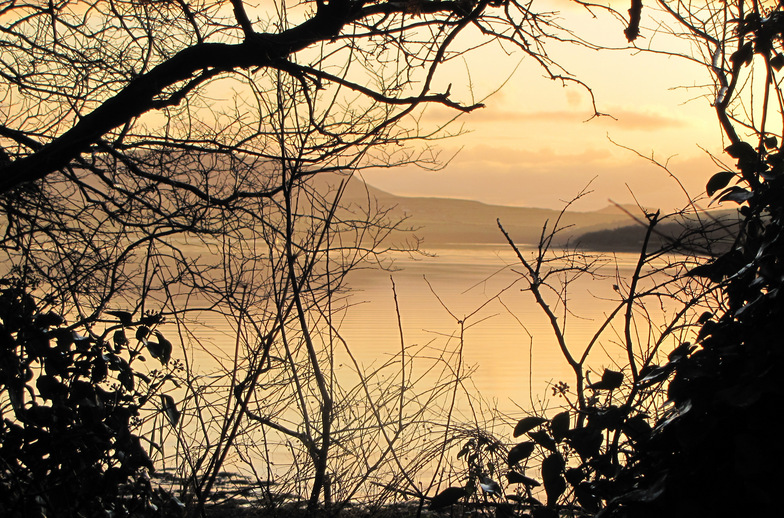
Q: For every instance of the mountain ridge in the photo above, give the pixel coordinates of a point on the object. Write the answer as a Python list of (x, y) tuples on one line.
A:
[(441, 222), (452, 222)]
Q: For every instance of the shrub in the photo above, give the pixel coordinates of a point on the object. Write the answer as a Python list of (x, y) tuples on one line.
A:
[(69, 404)]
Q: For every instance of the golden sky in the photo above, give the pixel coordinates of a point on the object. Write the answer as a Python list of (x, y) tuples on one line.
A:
[(533, 145)]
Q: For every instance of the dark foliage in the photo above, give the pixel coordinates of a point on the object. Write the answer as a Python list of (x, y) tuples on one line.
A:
[(720, 437), (715, 450), (68, 404)]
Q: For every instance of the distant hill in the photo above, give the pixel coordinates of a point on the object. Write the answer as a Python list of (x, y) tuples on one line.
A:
[(443, 222), (721, 228)]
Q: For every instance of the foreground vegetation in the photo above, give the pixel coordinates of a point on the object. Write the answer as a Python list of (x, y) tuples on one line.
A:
[(105, 411)]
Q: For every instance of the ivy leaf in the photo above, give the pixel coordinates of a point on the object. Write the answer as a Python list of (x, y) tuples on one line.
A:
[(637, 428), (520, 452), (543, 439), (718, 181), (48, 319), (120, 339), (655, 375), (50, 388), (518, 478), (741, 151), (170, 409), (142, 332), (464, 451), (166, 348), (125, 318), (447, 497), (160, 350), (611, 380), (574, 476), (777, 61), (737, 194), (559, 426), (527, 423), (586, 441), (743, 55), (554, 483), (680, 352), (125, 374)]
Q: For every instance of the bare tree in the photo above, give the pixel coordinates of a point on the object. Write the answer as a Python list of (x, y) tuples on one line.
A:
[(693, 329), (157, 161)]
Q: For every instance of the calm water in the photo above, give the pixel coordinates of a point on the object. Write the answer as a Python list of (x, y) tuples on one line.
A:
[(506, 337), (506, 340)]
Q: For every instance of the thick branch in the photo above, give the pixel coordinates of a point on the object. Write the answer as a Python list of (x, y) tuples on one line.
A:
[(194, 65)]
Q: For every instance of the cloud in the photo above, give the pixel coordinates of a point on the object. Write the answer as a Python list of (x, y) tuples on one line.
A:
[(515, 158), (619, 118), (642, 120), (542, 179)]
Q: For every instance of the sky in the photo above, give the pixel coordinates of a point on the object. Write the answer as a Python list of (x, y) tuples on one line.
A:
[(533, 145)]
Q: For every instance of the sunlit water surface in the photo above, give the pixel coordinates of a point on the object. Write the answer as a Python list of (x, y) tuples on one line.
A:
[(506, 337)]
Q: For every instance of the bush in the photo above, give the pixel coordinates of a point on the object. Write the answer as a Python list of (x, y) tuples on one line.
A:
[(68, 405)]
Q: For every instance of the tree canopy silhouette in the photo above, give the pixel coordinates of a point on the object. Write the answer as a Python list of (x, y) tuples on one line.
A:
[(78, 77), (157, 157)]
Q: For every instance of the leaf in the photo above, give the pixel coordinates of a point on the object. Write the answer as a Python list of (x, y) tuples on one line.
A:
[(119, 338), (463, 451), (637, 428), (554, 483), (99, 370), (48, 319), (718, 181), (543, 439), (125, 318), (655, 375), (166, 348), (552, 466), (611, 380), (737, 194), (587, 497), (559, 426), (741, 150), (527, 423), (142, 332), (170, 409), (574, 476), (518, 478), (125, 376), (743, 55), (50, 388), (447, 497), (554, 489), (520, 452), (680, 352), (586, 441), (725, 265), (156, 351), (772, 142), (777, 62)]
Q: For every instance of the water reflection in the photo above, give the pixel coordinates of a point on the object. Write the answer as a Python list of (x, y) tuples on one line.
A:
[(506, 336)]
